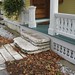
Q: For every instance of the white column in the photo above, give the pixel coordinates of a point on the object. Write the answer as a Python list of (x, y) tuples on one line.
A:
[(53, 10), (32, 21)]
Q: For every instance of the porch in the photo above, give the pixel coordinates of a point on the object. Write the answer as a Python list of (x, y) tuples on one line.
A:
[(61, 30)]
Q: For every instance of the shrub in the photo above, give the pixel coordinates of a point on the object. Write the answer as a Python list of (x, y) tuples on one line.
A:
[(13, 7)]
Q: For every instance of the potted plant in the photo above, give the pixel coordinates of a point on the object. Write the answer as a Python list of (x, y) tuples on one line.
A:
[(13, 7)]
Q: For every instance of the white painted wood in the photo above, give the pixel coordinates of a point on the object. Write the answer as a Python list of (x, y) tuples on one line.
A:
[(32, 21), (53, 10), (6, 54), (64, 15), (25, 45), (42, 20), (35, 37), (66, 26), (2, 67), (1, 59), (12, 24), (68, 53), (23, 55), (38, 51), (16, 55)]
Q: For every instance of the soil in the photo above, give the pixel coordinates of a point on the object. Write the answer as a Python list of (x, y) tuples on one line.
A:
[(44, 63)]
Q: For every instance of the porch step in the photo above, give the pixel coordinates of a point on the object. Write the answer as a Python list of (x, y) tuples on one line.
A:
[(32, 41), (28, 47)]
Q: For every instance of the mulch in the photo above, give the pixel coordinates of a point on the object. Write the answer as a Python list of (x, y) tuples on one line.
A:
[(44, 63)]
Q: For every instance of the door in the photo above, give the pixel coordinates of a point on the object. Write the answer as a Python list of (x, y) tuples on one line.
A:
[(42, 8)]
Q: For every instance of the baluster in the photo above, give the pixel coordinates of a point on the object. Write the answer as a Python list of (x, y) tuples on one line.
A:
[(74, 54), (60, 48), (64, 52), (61, 24), (69, 25), (57, 47), (65, 26), (57, 21), (71, 54), (67, 52), (54, 46), (73, 27)]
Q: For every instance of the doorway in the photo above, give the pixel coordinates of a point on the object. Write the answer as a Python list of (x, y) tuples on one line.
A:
[(42, 8)]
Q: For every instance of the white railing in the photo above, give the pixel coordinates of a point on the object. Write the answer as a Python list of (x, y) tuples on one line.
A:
[(12, 24), (28, 16), (65, 24)]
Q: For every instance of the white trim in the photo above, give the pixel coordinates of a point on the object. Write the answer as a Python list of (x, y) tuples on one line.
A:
[(53, 10)]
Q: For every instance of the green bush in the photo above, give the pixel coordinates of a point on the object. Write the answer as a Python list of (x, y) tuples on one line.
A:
[(13, 7)]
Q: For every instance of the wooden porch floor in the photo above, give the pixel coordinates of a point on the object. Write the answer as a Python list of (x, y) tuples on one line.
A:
[(8, 53)]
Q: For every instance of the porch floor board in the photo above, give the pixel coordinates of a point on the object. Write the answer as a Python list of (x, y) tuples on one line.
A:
[(13, 53)]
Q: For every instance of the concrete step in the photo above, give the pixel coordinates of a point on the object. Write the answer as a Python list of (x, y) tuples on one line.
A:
[(28, 47), (23, 55), (34, 37)]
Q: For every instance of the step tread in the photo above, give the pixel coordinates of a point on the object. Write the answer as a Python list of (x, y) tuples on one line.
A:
[(6, 54), (14, 54), (24, 44)]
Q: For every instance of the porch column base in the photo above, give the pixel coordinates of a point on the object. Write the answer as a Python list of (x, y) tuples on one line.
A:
[(32, 24), (51, 31)]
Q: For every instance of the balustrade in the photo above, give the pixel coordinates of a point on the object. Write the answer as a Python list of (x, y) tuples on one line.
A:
[(65, 24)]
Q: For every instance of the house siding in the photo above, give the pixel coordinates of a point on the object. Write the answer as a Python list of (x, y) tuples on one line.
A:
[(68, 6), (27, 3)]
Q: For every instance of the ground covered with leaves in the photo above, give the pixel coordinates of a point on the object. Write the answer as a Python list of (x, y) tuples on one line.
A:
[(4, 41), (44, 63)]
